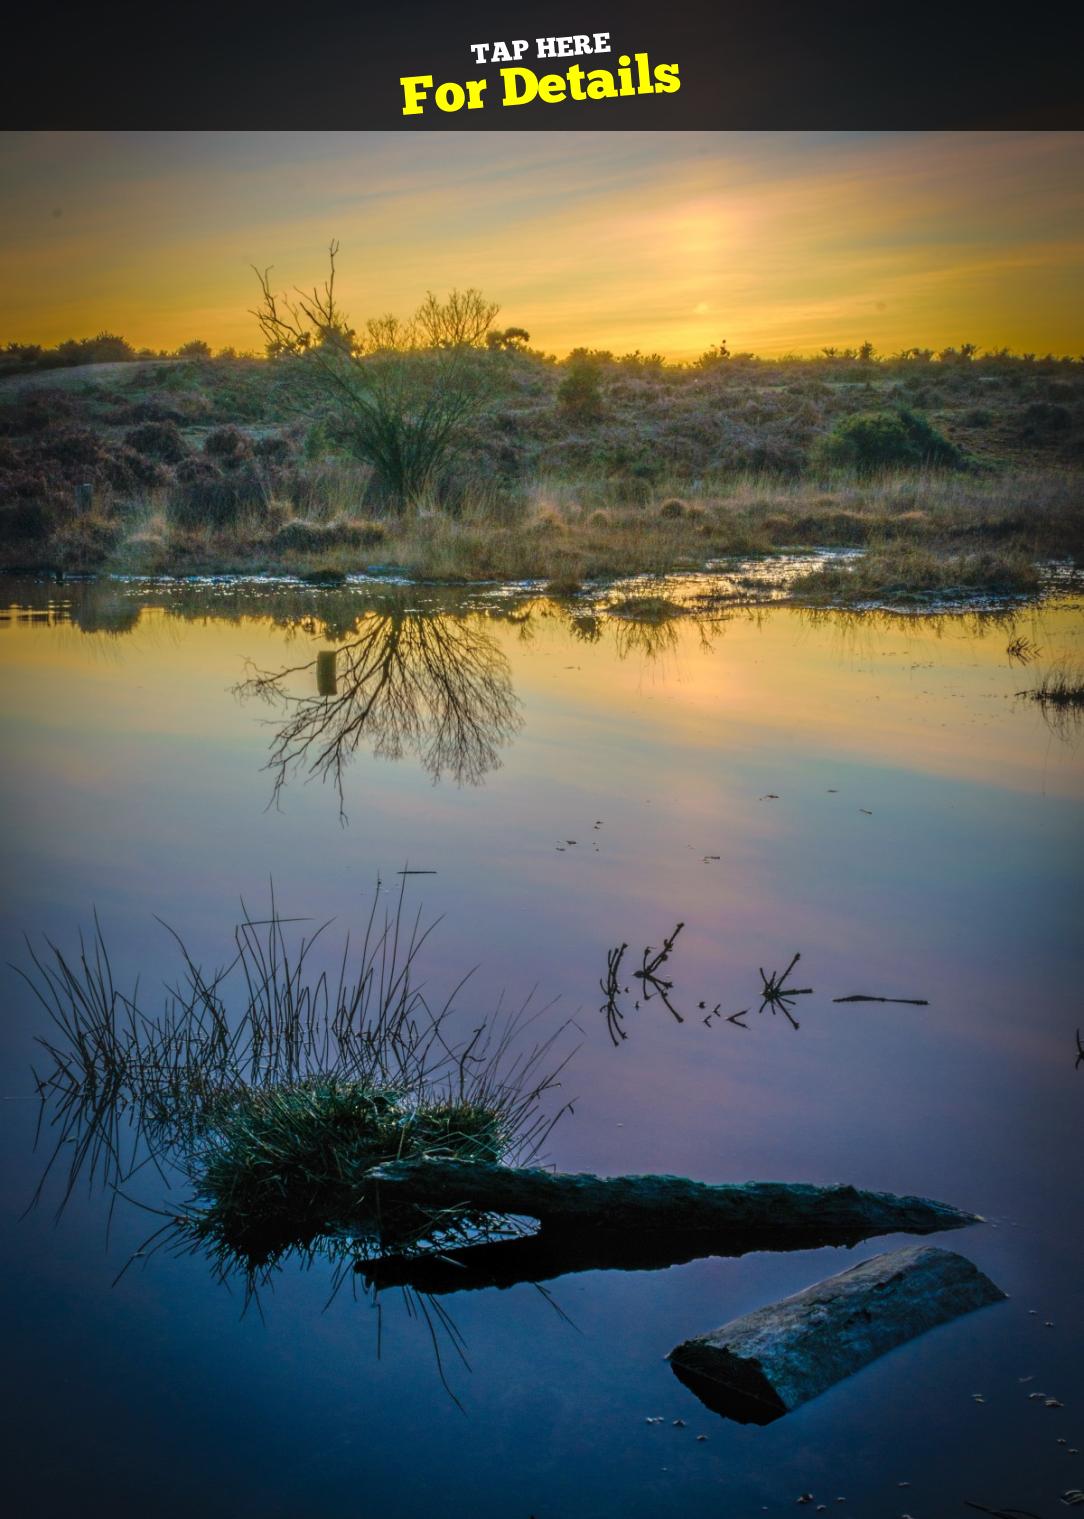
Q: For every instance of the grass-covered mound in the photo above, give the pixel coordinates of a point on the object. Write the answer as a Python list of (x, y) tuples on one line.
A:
[(901, 572), (288, 1164), (872, 441)]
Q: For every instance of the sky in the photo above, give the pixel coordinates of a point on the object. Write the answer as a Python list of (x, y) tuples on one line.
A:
[(663, 241)]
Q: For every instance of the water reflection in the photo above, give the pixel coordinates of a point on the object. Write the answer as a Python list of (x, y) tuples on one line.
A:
[(407, 682)]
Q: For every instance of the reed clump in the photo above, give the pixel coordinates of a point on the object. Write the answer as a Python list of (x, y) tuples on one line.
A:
[(1062, 688), (271, 1085), (283, 1165)]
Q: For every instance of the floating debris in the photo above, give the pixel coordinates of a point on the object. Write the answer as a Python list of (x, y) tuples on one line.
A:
[(906, 1001), (777, 994)]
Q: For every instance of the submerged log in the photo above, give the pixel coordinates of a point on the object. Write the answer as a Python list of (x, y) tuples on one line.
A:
[(759, 1367), (616, 1204), (554, 1251)]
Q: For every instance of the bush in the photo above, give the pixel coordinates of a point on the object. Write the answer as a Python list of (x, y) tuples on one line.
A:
[(1047, 416), (23, 521), (228, 446), (35, 412), (125, 469), (158, 440), (673, 508), (148, 410), (208, 498), (274, 450), (870, 441), (579, 394), (84, 543)]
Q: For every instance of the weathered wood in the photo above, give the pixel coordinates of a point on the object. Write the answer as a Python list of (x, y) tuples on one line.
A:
[(555, 1251), (759, 1367), (620, 1203)]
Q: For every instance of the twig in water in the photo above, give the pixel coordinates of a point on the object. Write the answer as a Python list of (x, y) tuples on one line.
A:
[(777, 994), (611, 990), (1001, 1513), (652, 981), (906, 1001), (1079, 1051)]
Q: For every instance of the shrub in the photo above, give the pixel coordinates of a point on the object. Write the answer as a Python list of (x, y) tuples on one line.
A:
[(126, 469), (228, 446), (23, 521), (73, 448), (579, 394), (870, 441), (406, 392), (149, 410), (158, 440), (673, 508), (274, 449), (35, 412), (85, 542), (1047, 416), (208, 498)]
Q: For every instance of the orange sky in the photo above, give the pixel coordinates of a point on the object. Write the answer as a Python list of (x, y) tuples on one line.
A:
[(779, 242)]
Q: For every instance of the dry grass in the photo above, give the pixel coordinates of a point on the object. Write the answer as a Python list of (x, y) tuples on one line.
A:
[(1061, 688), (902, 572), (558, 539)]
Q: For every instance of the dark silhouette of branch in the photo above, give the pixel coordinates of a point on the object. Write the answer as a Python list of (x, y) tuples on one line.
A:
[(434, 686)]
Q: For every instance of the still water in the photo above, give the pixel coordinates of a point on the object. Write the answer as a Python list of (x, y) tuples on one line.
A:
[(870, 791)]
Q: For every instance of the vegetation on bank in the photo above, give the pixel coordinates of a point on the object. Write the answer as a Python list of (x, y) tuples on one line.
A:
[(902, 572), (447, 447)]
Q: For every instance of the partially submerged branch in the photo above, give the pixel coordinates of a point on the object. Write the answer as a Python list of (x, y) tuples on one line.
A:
[(636, 1203)]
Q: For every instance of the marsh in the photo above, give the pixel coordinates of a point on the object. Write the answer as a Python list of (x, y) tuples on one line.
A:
[(870, 789)]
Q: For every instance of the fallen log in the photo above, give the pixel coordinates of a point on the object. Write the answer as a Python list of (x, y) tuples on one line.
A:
[(617, 1204), (759, 1367), (554, 1251)]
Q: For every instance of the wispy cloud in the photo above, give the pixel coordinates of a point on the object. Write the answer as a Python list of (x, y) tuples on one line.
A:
[(667, 241)]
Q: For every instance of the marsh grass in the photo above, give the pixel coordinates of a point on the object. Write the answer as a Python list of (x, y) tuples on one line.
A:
[(899, 572), (271, 1084), (1060, 698), (283, 1166), (1061, 686)]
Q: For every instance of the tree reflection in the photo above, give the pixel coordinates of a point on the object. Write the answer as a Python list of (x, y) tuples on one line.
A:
[(408, 682)]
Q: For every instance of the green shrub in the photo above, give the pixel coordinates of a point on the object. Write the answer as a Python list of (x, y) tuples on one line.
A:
[(870, 441), (1047, 416), (579, 394)]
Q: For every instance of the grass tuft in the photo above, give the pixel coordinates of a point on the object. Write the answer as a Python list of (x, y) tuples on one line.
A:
[(901, 572)]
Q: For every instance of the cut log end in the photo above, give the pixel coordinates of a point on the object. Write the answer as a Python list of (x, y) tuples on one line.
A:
[(761, 1366)]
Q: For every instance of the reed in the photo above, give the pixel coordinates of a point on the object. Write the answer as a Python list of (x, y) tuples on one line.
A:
[(272, 1084)]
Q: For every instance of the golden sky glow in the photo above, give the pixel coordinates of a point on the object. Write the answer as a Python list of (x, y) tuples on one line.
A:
[(779, 242)]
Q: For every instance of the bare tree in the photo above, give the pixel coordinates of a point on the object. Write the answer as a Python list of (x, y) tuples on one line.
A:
[(405, 391), (435, 686)]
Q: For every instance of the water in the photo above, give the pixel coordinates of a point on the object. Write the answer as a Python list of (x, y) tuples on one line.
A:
[(869, 791)]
